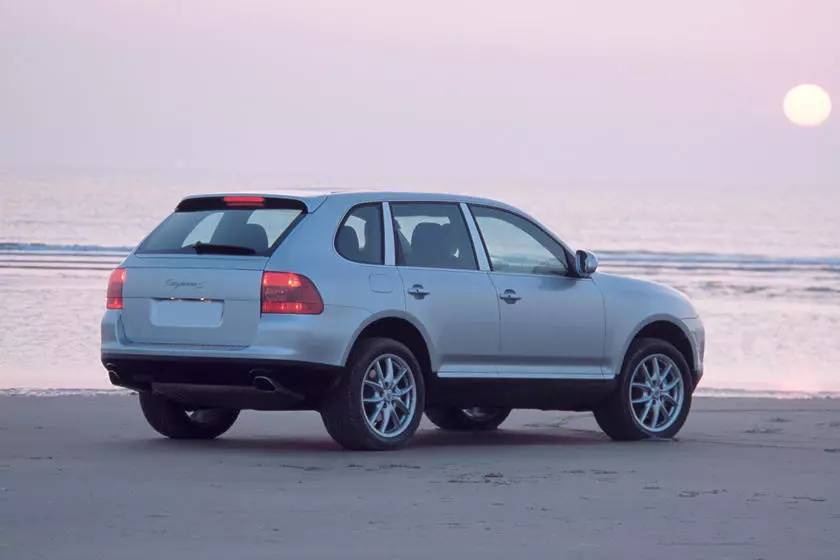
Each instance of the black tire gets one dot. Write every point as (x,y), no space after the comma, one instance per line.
(343,412)
(460,420)
(616,417)
(177,421)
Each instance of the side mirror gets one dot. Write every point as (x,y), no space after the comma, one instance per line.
(586,263)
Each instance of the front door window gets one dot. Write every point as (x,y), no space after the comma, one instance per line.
(516,245)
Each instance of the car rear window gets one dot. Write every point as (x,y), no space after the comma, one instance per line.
(218,229)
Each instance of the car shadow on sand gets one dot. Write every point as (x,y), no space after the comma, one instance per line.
(423,440)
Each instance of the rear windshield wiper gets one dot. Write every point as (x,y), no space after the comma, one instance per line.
(216,249)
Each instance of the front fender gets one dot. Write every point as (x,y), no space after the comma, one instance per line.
(631,305)
(619,352)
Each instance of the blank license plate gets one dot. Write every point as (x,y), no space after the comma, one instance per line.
(187,313)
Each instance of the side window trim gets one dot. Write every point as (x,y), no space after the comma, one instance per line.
(383,231)
(479,249)
(566,252)
(389,233)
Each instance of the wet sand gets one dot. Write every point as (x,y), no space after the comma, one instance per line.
(84,477)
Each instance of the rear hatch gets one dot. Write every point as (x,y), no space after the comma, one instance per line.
(196,279)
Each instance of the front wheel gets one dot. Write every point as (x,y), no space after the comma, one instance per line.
(653,397)
(177,421)
(378,404)
(474,419)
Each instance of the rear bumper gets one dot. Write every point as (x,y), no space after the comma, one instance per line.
(301,354)
(224,381)
(316,339)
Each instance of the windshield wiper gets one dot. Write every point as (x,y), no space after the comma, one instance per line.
(216,249)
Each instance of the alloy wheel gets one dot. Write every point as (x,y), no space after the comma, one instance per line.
(389,396)
(657,393)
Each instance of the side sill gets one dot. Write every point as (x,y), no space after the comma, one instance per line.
(541,394)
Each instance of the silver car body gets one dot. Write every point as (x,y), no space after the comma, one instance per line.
(576,327)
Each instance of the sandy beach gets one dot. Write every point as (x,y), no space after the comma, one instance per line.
(84,477)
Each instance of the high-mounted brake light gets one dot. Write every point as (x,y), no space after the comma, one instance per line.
(114,295)
(244,201)
(287,292)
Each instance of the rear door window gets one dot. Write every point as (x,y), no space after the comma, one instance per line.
(432,235)
(236,231)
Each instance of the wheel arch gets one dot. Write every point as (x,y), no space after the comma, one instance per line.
(402,328)
(668,329)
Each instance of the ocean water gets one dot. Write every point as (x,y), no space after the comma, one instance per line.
(762,265)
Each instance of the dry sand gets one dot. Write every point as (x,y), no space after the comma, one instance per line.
(84,477)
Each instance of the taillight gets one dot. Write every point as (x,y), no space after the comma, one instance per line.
(287,292)
(115,289)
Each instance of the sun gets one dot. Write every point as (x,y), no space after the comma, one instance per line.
(807,105)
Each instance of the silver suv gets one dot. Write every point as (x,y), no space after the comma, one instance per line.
(375,307)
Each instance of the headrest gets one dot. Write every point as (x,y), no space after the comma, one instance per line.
(426,234)
(253,236)
(348,242)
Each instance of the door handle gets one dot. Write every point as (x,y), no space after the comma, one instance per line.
(509,296)
(418,291)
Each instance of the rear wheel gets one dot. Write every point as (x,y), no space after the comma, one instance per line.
(378,404)
(474,419)
(178,421)
(654,394)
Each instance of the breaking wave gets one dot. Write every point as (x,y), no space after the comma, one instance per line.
(32,253)
(44,247)
(724,261)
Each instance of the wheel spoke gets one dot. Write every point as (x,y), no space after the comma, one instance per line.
(389,370)
(374,384)
(401,375)
(386,418)
(380,376)
(656,409)
(373,399)
(644,399)
(673,384)
(399,404)
(404,391)
(667,372)
(646,412)
(656,375)
(376,412)
(647,373)
(668,397)
(666,413)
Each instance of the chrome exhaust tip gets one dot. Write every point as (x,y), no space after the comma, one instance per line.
(263,383)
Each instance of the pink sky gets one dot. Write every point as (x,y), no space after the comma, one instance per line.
(579,92)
